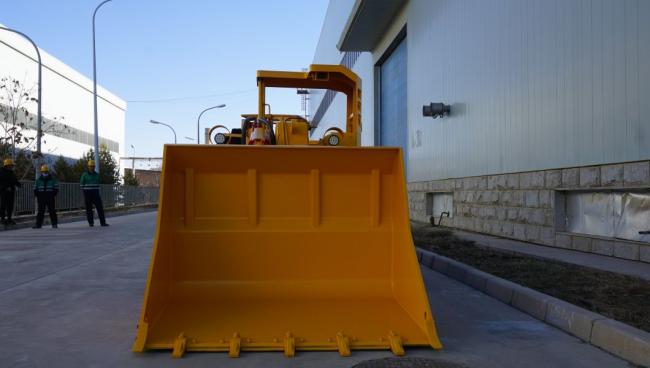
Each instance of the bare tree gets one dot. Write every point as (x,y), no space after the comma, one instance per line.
(17,128)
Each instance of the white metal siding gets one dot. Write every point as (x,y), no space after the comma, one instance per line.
(67,95)
(534,84)
(327,53)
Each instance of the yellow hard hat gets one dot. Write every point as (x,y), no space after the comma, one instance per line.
(8,162)
(44,168)
(91,163)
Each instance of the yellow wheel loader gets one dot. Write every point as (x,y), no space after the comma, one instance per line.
(268,241)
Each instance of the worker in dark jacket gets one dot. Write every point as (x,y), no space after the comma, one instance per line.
(45,190)
(90,186)
(8,184)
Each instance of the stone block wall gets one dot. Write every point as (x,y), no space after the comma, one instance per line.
(522,205)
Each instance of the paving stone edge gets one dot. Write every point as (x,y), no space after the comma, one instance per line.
(615,337)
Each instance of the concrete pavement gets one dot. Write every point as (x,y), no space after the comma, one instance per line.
(71,297)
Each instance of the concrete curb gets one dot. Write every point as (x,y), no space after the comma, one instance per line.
(612,336)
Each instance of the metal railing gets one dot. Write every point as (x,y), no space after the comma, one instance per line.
(71,197)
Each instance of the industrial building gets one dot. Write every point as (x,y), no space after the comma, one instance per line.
(547,136)
(67,98)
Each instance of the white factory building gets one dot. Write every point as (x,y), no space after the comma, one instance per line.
(67,102)
(548,135)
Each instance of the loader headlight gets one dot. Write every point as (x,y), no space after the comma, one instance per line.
(220,138)
(333,140)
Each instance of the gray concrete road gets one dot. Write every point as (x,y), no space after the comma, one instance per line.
(71,298)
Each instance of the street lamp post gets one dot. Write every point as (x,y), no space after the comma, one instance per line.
(95,88)
(133,161)
(198,121)
(39,119)
(168,126)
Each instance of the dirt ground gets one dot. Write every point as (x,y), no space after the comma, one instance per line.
(620,297)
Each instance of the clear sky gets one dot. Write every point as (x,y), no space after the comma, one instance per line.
(191,54)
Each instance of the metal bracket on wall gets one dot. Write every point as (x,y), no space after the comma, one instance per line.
(436,110)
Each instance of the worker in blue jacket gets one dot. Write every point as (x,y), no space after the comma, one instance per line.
(90,185)
(46,188)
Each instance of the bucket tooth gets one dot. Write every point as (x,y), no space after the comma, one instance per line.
(234,346)
(289,345)
(343,344)
(179,346)
(396,344)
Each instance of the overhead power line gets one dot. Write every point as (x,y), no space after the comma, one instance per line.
(187,98)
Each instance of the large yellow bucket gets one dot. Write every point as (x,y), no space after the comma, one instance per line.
(283,248)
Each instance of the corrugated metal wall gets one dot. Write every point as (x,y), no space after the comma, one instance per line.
(533,84)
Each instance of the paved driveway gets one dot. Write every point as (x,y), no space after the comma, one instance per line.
(71,298)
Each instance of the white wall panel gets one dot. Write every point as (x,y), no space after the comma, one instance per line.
(533,84)
(66,93)
(327,53)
